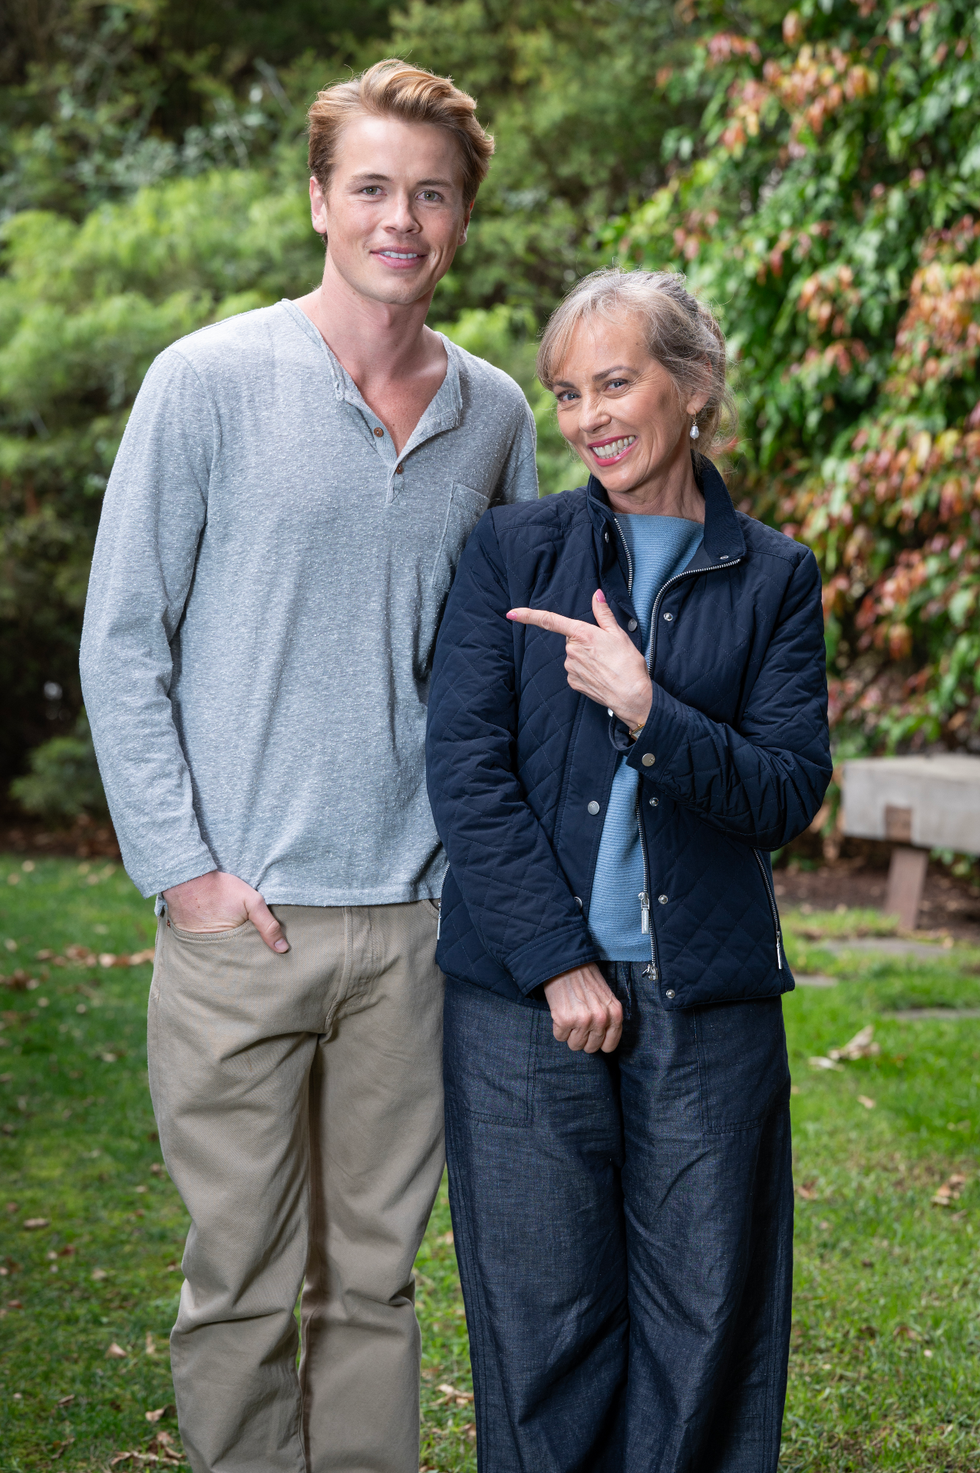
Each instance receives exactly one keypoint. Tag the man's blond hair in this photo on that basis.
(392, 88)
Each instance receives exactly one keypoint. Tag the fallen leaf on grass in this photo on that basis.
(452, 1394)
(905, 1332)
(36, 1222)
(66, 1401)
(867, 1102)
(160, 1413)
(151, 1345)
(808, 1190)
(59, 1447)
(100, 1273)
(116, 1352)
(949, 1191)
(819, 1062)
(861, 1046)
(109, 1058)
(81, 955)
(447, 1237)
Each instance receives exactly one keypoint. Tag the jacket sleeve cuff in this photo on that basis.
(548, 956)
(665, 730)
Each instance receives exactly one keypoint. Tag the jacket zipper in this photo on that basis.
(654, 971)
(629, 560)
(646, 929)
(772, 907)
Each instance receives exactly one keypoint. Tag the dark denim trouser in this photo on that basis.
(623, 1224)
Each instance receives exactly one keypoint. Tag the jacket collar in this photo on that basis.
(723, 541)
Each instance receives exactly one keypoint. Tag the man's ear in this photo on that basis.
(466, 224)
(318, 207)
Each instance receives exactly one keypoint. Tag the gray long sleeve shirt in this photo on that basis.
(266, 589)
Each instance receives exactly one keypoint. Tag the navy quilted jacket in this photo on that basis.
(734, 756)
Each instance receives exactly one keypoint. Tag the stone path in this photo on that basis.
(888, 945)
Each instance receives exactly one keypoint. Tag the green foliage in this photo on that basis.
(101, 99)
(84, 309)
(63, 780)
(827, 214)
(568, 88)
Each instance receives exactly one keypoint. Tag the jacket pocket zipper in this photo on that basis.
(774, 911)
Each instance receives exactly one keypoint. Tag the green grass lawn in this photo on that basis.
(885, 1371)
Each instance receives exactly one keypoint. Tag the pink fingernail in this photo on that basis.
(600, 595)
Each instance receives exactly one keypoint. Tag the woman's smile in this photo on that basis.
(610, 452)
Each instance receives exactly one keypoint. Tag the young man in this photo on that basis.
(280, 532)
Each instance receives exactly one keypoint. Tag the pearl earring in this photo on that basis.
(695, 432)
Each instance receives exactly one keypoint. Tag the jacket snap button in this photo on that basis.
(670, 992)
(577, 901)
(669, 618)
(648, 759)
(605, 536)
(662, 899)
(631, 625)
(379, 432)
(593, 806)
(654, 802)
(610, 711)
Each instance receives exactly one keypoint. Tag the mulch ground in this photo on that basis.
(949, 905)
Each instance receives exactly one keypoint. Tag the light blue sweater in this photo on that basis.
(660, 547)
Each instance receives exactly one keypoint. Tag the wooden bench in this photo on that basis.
(919, 803)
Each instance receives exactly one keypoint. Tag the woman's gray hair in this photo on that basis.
(680, 333)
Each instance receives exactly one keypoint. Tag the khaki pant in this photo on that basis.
(299, 1103)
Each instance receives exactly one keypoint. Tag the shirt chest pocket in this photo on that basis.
(466, 507)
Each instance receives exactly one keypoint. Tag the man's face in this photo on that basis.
(394, 213)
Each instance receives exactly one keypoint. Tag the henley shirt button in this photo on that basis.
(379, 432)
(399, 469)
(662, 899)
(593, 807)
(648, 759)
(669, 992)
(669, 618)
(631, 625)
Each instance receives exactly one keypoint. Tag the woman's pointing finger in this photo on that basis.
(556, 623)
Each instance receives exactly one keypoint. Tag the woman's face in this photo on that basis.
(619, 409)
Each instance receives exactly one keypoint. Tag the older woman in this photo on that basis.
(628, 711)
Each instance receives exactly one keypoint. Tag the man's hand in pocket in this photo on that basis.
(220, 902)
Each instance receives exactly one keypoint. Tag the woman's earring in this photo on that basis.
(695, 432)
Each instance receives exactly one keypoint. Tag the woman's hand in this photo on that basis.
(600, 659)
(585, 1012)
